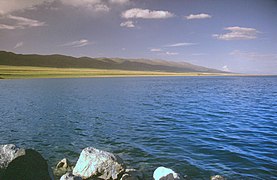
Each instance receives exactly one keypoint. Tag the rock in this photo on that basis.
(29, 166)
(132, 174)
(162, 173)
(217, 177)
(63, 167)
(8, 153)
(70, 176)
(96, 163)
(64, 163)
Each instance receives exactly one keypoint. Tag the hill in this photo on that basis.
(61, 61)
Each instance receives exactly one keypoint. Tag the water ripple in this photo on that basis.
(199, 126)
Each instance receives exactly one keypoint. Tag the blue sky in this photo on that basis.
(234, 35)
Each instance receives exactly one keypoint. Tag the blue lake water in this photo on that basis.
(198, 126)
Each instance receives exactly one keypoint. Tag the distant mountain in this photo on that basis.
(61, 61)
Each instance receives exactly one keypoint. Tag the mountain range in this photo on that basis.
(62, 61)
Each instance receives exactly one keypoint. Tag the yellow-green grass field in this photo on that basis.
(25, 72)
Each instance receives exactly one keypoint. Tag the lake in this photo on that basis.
(198, 126)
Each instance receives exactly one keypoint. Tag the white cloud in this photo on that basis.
(128, 24)
(100, 7)
(23, 22)
(79, 43)
(146, 14)
(180, 44)
(81, 2)
(162, 52)
(225, 68)
(237, 33)
(18, 22)
(8, 6)
(254, 55)
(95, 5)
(156, 50)
(171, 53)
(198, 16)
(19, 44)
(4, 26)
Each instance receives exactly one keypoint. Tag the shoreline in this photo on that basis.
(30, 72)
(18, 163)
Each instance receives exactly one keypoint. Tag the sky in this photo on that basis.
(232, 35)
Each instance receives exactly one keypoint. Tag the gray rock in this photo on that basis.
(132, 174)
(70, 176)
(9, 152)
(63, 167)
(217, 177)
(96, 163)
(29, 166)
(64, 163)
(162, 173)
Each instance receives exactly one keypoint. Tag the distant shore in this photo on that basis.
(27, 72)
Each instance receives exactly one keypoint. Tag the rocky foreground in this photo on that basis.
(27, 164)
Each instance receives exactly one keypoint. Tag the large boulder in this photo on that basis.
(96, 163)
(9, 152)
(29, 166)
(162, 173)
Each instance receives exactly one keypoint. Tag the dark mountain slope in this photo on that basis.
(61, 61)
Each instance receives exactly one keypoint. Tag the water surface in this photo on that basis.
(198, 126)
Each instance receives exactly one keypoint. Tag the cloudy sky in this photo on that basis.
(232, 35)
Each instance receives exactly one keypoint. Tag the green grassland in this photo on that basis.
(25, 72)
